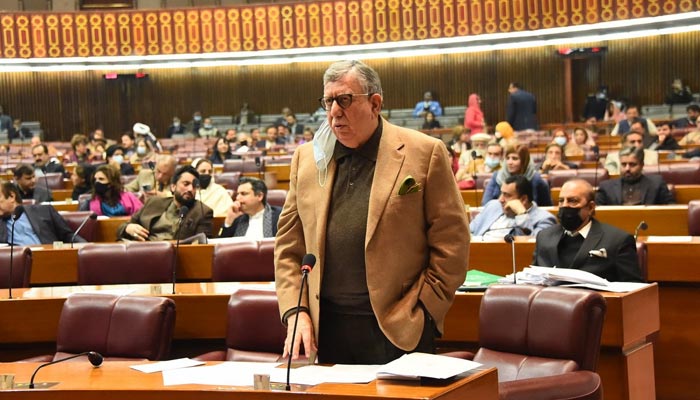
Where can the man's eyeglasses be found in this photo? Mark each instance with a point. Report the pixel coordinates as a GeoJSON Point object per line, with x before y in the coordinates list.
{"type": "Point", "coordinates": [343, 100]}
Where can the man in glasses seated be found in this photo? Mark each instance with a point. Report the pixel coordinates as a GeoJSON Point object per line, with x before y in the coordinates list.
{"type": "Point", "coordinates": [378, 206]}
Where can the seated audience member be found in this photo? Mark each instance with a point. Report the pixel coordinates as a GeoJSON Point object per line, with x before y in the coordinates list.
{"type": "Point", "coordinates": [517, 162]}
{"type": "Point", "coordinates": [25, 180]}
{"type": "Point", "coordinates": [570, 148]}
{"type": "Point", "coordinates": [665, 139]}
{"type": "Point", "coordinates": [554, 159]}
{"type": "Point", "coordinates": [17, 131]}
{"type": "Point", "coordinates": [38, 224]}
{"type": "Point", "coordinates": [614, 111]}
{"type": "Point", "coordinates": [505, 135]}
{"type": "Point", "coordinates": [307, 136]}
{"type": "Point", "coordinates": [211, 193]}
{"type": "Point", "coordinates": [36, 140]}
{"type": "Point", "coordinates": [294, 127]}
{"type": "Point", "coordinates": [460, 142]}
{"type": "Point", "coordinates": [270, 138]}
{"type": "Point", "coordinates": [175, 129]}
{"type": "Point", "coordinates": [97, 140]}
{"type": "Point", "coordinates": [513, 212]}
{"type": "Point", "coordinates": [251, 216]}
{"type": "Point", "coordinates": [45, 164]}
{"type": "Point", "coordinates": [631, 115]}
{"type": "Point", "coordinates": [690, 138]}
{"type": "Point", "coordinates": [128, 144]}
{"type": "Point", "coordinates": [679, 94]}
{"type": "Point", "coordinates": [241, 141]}
{"type": "Point", "coordinates": [82, 180]}
{"type": "Point", "coordinates": [633, 187]}
{"type": "Point", "coordinates": [583, 142]}
{"type": "Point", "coordinates": [208, 129]}
{"type": "Point", "coordinates": [691, 121]}
{"type": "Point", "coordinates": [99, 152]}
{"type": "Point", "coordinates": [144, 131]}
{"type": "Point", "coordinates": [115, 158]}
{"type": "Point", "coordinates": [580, 241]}
{"type": "Point", "coordinates": [81, 153]}
{"type": "Point", "coordinates": [108, 197]}
{"type": "Point", "coordinates": [221, 151]}
{"type": "Point", "coordinates": [429, 121]}
{"type": "Point", "coordinates": [231, 135]}
{"type": "Point", "coordinates": [428, 104]}
{"type": "Point", "coordinates": [255, 138]}
{"type": "Point", "coordinates": [155, 182]}
{"type": "Point", "coordinates": [158, 218]}
{"type": "Point", "coordinates": [479, 142]}
{"type": "Point", "coordinates": [647, 138]}
{"type": "Point", "coordinates": [634, 138]}
{"type": "Point", "coordinates": [195, 124]}
{"type": "Point", "coordinates": [488, 158]}
{"type": "Point", "coordinates": [144, 152]}
{"type": "Point", "coordinates": [282, 135]}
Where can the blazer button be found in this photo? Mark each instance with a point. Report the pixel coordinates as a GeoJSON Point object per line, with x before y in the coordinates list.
{"type": "Point", "coordinates": [317, 296]}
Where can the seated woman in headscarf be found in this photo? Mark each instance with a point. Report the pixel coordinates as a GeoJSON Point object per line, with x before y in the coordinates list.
{"type": "Point", "coordinates": [108, 196]}
{"type": "Point", "coordinates": [517, 162]}
{"type": "Point", "coordinates": [554, 159]}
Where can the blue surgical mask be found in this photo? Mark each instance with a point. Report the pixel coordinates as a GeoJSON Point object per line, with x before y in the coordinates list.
{"type": "Point", "coordinates": [560, 140]}
{"type": "Point", "coordinates": [118, 158]}
{"type": "Point", "coordinates": [197, 118]}
{"type": "Point", "coordinates": [141, 151]}
{"type": "Point", "coordinates": [492, 162]}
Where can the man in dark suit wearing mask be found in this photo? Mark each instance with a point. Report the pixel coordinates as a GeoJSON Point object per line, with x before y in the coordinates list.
{"type": "Point", "coordinates": [579, 241]}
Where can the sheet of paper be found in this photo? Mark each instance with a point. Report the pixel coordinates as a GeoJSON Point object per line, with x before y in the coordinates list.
{"type": "Point", "coordinates": [617, 287]}
{"type": "Point", "coordinates": [224, 374]}
{"type": "Point", "coordinates": [167, 365]}
{"type": "Point", "coordinates": [317, 374]}
{"type": "Point", "coordinates": [416, 365]}
{"type": "Point", "coordinates": [666, 239]}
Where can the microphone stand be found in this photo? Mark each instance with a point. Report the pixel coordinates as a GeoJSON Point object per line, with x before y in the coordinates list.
{"type": "Point", "coordinates": [304, 277]}
{"type": "Point", "coordinates": [596, 155]}
{"type": "Point", "coordinates": [46, 182]}
{"type": "Point", "coordinates": [510, 239]}
{"type": "Point", "coordinates": [15, 216]}
{"type": "Point", "coordinates": [94, 357]}
{"type": "Point", "coordinates": [642, 226]}
{"type": "Point", "coordinates": [183, 211]}
{"type": "Point", "coordinates": [80, 227]}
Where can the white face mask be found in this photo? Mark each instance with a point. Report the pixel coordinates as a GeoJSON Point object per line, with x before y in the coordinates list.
{"type": "Point", "coordinates": [118, 158]}
{"type": "Point", "coordinates": [498, 135]}
{"type": "Point", "coordinates": [324, 144]}
{"type": "Point", "coordinates": [560, 140]}
{"type": "Point", "coordinates": [492, 162]}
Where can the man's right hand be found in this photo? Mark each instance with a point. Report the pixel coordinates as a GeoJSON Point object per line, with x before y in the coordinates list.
{"type": "Point", "coordinates": [305, 334]}
{"type": "Point", "coordinates": [137, 232]}
{"type": "Point", "coordinates": [233, 213]}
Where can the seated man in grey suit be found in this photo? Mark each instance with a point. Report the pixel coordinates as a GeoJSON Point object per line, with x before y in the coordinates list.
{"type": "Point", "coordinates": [579, 241]}
{"type": "Point", "coordinates": [250, 215]}
{"type": "Point", "coordinates": [25, 179]}
{"type": "Point", "coordinates": [633, 187]}
{"type": "Point", "coordinates": [513, 212]}
{"type": "Point", "coordinates": [38, 224]}
{"type": "Point", "coordinates": [159, 218]}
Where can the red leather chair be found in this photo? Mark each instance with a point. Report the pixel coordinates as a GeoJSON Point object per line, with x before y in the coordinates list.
{"type": "Point", "coordinates": [694, 218]}
{"type": "Point", "coordinates": [276, 197]}
{"type": "Point", "coordinates": [540, 339]}
{"type": "Point", "coordinates": [54, 180]}
{"type": "Point", "coordinates": [254, 331]}
{"type": "Point", "coordinates": [243, 165]}
{"type": "Point", "coordinates": [243, 262]}
{"type": "Point", "coordinates": [118, 327]}
{"type": "Point", "coordinates": [228, 180]}
{"type": "Point", "coordinates": [75, 218]}
{"type": "Point", "coordinates": [21, 267]}
{"type": "Point", "coordinates": [642, 258]}
{"type": "Point", "coordinates": [132, 262]}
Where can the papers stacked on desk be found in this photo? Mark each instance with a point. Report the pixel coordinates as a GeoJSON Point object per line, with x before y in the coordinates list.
{"type": "Point", "coordinates": [569, 277]}
{"type": "Point", "coordinates": [422, 365]}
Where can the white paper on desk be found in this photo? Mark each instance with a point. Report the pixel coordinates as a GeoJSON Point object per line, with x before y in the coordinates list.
{"type": "Point", "coordinates": [224, 374]}
{"type": "Point", "coordinates": [664, 239]}
{"type": "Point", "coordinates": [417, 365]}
{"type": "Point", "coordinates": [317, 374]}
{"type": "Point", "coordinates": [617, 287]}
{"type": "Point", "coordinates": [115, 291]}
{"type": "Point", "coordinates": [167, 365]}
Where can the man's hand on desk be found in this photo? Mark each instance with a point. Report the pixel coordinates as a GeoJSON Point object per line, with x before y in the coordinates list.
{"type": "Point", "coordinates": [305, 334]}
{"type": "Point", "coordinates": [137, 232]}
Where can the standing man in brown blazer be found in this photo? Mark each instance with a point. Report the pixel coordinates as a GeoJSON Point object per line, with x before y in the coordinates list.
{"type": "Point", "coordinates": [378, 206]}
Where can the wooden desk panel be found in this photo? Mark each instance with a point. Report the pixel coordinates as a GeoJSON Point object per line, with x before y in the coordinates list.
{"type": "Point", "coordinates": [115, 380]}
{"type": "Point", "coordinates": [674, 261]}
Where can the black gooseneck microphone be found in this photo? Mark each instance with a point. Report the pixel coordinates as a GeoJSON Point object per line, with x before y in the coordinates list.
{"type": "Point", "coordinates": [641, 227]}
{"type": "Point", "coordinates": [596, 156]}
{"type": "Point", "coordinates": [80, 227]}
{"type": "Point", "coordinates": [15, 216]}
{"type": "Point", "coordinates": [476, 190]}
{"type": "Point", "coordinates": [307, 264]}
{"type": "Point", "coordinates": [183, 211]}
{"type": "Point", "coordinates": [259, 164]}
{"type": "Point", "coordinates": [511, 239]}
{"type": "Point", "coordinates": [46, 181]}
{"type": "Point", "coordinates": [198, 187]}
{"type": "Point", "coordinates": [152, 166]}
{"type": "Point", "coordinates": [94, 357]}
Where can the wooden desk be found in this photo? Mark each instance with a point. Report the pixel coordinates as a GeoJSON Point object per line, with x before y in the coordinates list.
{"type": "Point", "coordinates": [626, 364]}
{"type": "Point", "coordinates": [107, 228]}
{"type": "Point", "coordinates": [115, 380]}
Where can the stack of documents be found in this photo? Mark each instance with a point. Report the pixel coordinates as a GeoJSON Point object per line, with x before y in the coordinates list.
{"type": "Point", "coordinates": [423, 365]}
{"type": "Point", "coordinates": [569, 277]}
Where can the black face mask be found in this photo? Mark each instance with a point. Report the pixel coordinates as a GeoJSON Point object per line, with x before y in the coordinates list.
{"type": "Point", "coordinates": [570, 218]}
{"type": "Point", "coordinates": [204, 181]}
{"type": "Point", "coordinates": [101, 188]}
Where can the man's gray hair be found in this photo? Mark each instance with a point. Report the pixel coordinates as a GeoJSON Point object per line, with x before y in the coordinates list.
{"type": "Point", "coordinates": [369, 79]}
{"type": "Point", "coordinates": [634, 152]}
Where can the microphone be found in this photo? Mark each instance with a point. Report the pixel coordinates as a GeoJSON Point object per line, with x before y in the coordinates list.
{"type": "Point", "coordinates": [641, 227]}
{"type": "Point", "coordinates": [307, 264]}
{"type": "Point", "coordinates": [46, 181]}
{"type": "Point", "coordinates": [259, 165]}
{"type": "Point", "coordinates": [183, 211]}
{"type": "Point", "coordinates": [511, 239]}
{"type": "Point", "coordinates": [80, 227]}
{"type": "Point", "coordinates": [19, 210]}
{"type": "Point", "coordinates": [476, 190]}
{"type": "Point", "coordinates": [596, 155]}
{"type": "Point", "coordinates": [94, 357]}
{"type": "Point", "coordinates": [152, 166]}
{"type": "Point", "coordinates": [198, 187]}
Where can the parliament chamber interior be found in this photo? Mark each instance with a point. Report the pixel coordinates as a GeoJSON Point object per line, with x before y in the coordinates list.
{"type": "Point", "coordinates": [225, 69]}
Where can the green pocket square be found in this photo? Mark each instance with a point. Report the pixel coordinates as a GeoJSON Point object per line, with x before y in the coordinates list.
{"type": "Point", "coordinates": [409, 185]}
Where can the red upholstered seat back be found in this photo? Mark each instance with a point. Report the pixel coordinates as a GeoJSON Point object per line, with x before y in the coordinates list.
{"type": "Point", "coordinates": [123, 327]}
{"type": "Point", "coordinates": [75, 218]}
{"type": "Point", "coordinates": [21, 267]}
{"type": "Point", "coordinates": [132, 262]}
{"type": "Point", "coordinates": [254, 331]}
{"type": "Point", "coordinates": [247, 261]}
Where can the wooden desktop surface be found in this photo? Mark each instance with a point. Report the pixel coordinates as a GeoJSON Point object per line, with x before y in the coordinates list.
{"type": "Point", "coordinates": [115, 380]}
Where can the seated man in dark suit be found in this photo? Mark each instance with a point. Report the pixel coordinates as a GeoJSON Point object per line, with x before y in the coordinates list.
{"type": "Point", "coordinates": [43, 163]}
{"type": "Point", "coordinates": [159, 218]}
{"type": "Point", "coordinates": [250, 215]}
{"type": "Point", "coordinates": [633, 187]}
{"type": "Point", "coordinates": [38, 224]}
{"type": "Point", "coordinates": [25, 180]}
{"type": "Point", "coordinates": [579, 241]}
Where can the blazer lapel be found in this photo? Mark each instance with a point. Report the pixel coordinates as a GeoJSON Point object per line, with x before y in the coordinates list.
{"type": "Point", "coordinates": [322, 197]}
{"type": "Point", "coordinates": [389, 161]}
{"type": "Point", "coordinates": [592, 241]}
{"type": "Point", "coordinates": [552, 251]}
{"type": "Point", "coordinates": [617, 192]}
